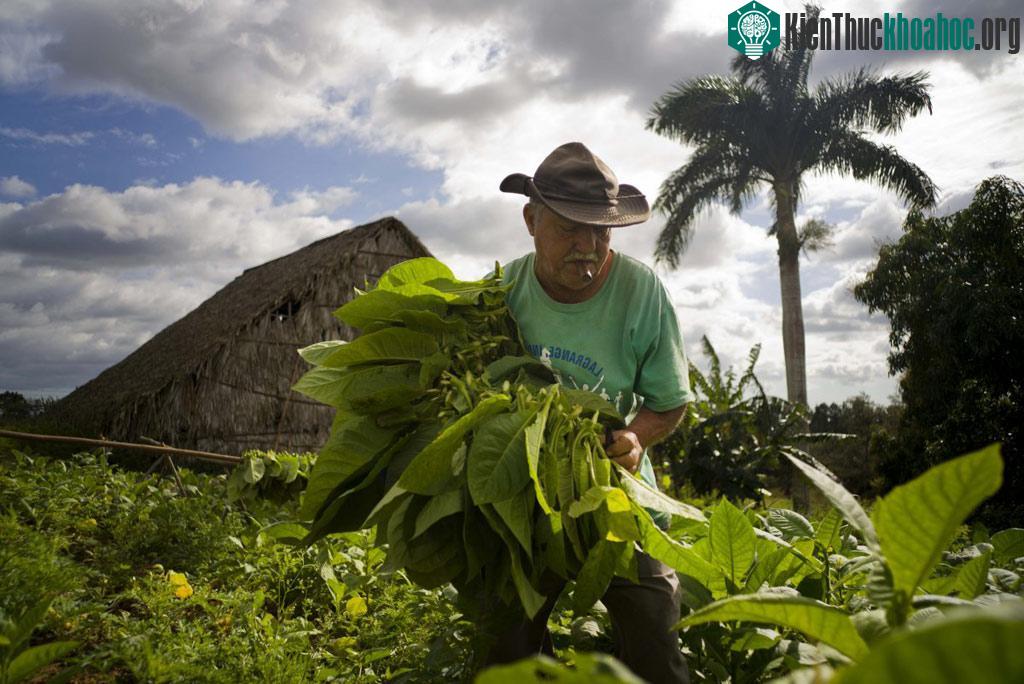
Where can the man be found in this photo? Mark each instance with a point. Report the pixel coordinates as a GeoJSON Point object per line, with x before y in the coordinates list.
{"type": "Point", "coordinates": [602, 322]}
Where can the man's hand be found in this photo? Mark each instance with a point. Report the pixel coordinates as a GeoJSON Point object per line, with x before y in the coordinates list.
{"type": "Point", "coordinates": [625, 449]}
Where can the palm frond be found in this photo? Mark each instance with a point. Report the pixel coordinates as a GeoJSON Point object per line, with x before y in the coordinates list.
{"type": "Point", "coordinates": [716, 364]}
{"type": "Point", "coordinates": [682, 203]}
{"type": "Point", "coordinates": [712, 107]}
{"type": "Point", "coordinates": [815, 235]}
{"type": "Point", "coordinates": [782, 73]}
{"type": "Point", "coordinates": [850, 152]}
{"type": "Point", "coordinates": [865, 100]}
{"type": "Point", "coordinates": [748, 373]}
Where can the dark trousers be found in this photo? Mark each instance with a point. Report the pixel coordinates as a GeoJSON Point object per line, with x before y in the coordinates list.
{"type": "Point", "coordinates": [642, 618]}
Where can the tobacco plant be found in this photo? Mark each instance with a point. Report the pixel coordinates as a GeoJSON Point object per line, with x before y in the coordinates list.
{"type": "Point", "coordinates": [875, 602]}
{"type": "Point", "coordinates": [476, 467]}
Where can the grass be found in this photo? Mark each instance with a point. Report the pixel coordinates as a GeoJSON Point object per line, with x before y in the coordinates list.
{"type": "Point", "coordinates": [103, 542]}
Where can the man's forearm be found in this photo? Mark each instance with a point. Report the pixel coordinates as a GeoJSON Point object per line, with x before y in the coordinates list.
{"type": "Point", "coordinates": [653, 426]}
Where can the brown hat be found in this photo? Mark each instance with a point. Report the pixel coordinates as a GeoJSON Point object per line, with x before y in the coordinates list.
{"type": "Point", "coordinates": [575, 184]}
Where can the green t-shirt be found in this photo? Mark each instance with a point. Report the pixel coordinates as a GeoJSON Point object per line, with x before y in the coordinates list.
{"type": "Point", "coordinates": [622, 344]}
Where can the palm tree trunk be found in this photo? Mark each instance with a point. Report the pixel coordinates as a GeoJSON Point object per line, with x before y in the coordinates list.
{"type": "Point", "coordinates": [792, 324]}
{"type": "Point", "coordinates": [792, 307]}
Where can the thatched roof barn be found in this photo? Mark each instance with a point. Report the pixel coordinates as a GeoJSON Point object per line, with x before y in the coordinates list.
{"type": "Point", "coordinates": [220, 378]}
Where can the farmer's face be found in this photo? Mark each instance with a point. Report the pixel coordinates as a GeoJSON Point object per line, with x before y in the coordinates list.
{"type": "Point", "coordinates": [566, 253]}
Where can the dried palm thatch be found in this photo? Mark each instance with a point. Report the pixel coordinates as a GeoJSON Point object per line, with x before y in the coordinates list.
{"type": "Point", "coordinates": [220, 378]}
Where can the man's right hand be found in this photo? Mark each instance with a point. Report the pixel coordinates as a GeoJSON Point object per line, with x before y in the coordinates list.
{"type": "Point", "coordinates": [625, 449]}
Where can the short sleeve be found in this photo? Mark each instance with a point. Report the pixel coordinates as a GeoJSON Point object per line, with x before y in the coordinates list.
{"type": "Point", "coordinates": [663, 377]}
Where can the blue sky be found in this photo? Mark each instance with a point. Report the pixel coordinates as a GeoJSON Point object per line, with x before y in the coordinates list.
{"type": "Point", "coordinates": [117, 143]}
{"type": "Point", "coordinates": [151, 151]}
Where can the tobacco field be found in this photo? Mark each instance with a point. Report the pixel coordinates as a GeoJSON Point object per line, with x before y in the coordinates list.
{"type": "Point", "coordinates": [457, 473]}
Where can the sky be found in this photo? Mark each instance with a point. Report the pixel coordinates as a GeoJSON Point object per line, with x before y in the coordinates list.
{"type": "Point", "coordinates": [152, 151]}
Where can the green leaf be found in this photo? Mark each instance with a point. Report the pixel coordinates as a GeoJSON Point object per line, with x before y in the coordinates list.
{"type": "Point", "coordinates": [438, 554]}
{"type": "Point", "coordinates": [791, 524]}
{"type": "Point", "coordinates": [829, 528]}
{"type": "Point", "coordinates": [591, 403]}
{"type": "Point", "coordinates": [507, 366]}
{"type": "Point", "coordinates": [32, 659]}
{"type": "Point", "coordinates": [349, 511]}
{"type": "Point", "coordinates": [315, 354]}
{"type": "Point", "coordinates": [1007, 545]}
{"type": "Point", "coordinates": [354, 442]}
{"type": "Point", "coordinates": [421, 270]}
{"type": "Point", "coordinates": [801, 653]}
{"type": "Point", "coordinates": [918, 520]}
{"type": "Point", "coordinates": [614, 512]}
{"type": "Point", "coordinates": [595, 575]}
{"type": "Point", "coordinates": [284, 531]}
{"type": "Point", "coordinates": [517, 512]}
{"type": "Point", "coordinates": [447, 328]}
{"type": "Point", "coordinates": [439, 507]}
{"type": "Point", "coordinates": [815, 619]}
{"type": "Point", "coordinates": [592, 499]}
{"type": "Point", "coordinates": [659, 545]}
{"type": "Point", "coordinates": [754, 639]}
{"type": "Point", "coordinates": [768, 561]}
{"type": "Point", "coordinates": [843, 500]}
{"type": "Point", "coordinates": [531, 599]}
{"type": "Point", "coordinates": [590, 668]}
{"type": "Point", "coordinates": [362, 389]}
{"type": "Point", "coordinates": [651, 498]}
{"type": "Point", "coordinates": [27, 623]}
{"type": "Point", "coordinates": [430, 472]}
{"type": "Point", "coordinates": [253, 469]}
{"type": "Point", "coordinates": [801, 549]}
{"type": "Point", "coordinates": [423, 290]}
{"type": "Point", "coordinates": [496, 467]}
{"type": "Point", "coordinates": [534, 441]}
{"type": "Point", "coordinates": [973, 576]}
{"type": "Point", "coordinates": [974, 647]}
{"type": "Point", "coordinates": [390, 345]}
{"type": "Point", "coordinates": [731, 537]}
{"type": "Point", "coordinates": [389, 307]}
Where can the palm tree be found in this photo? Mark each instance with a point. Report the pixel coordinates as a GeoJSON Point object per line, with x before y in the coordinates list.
{"type": "Point", "coordinates": [763, 125]}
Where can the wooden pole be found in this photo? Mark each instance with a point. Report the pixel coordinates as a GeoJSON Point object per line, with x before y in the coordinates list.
{"type": "Point", "coordinates": [165, 450]}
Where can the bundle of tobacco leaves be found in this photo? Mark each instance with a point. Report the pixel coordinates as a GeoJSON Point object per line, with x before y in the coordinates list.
{"type": "Point", "coordinates": [474, 465]}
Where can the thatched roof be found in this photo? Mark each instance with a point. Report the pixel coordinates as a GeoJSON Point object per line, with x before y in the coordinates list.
{"type": "Point", "coordinates": [178, 350]}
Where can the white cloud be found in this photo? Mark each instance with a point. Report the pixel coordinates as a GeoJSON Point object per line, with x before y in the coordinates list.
{"type": "Point", "coordinates": [141, 139]}
{"type": "Point", "coordinates": [478, 90]}
{"type": "Point", "coordinates": [12, 186]}
{"type": "Point", "coordinates": [27, 135]}
{"type": "Point", "coordinates": [87, 275]}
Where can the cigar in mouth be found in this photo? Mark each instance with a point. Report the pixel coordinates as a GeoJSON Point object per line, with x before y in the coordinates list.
{"type": "Point", "coordinates": [585, 269]}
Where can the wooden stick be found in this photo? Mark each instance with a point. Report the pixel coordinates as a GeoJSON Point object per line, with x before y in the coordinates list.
{"type": "Point", "coordinates": [204, 455]}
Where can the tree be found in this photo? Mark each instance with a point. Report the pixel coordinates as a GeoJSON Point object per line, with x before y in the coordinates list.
{"type": "Point", "coordinates": [855, 460]}
{"type": "Point", "coordinates": [734, 435]}
{"type": "Point", "coordinates": [14, 405]}
{"type": "Point", "coordinates": [953, 290]}
{"type": "Point", "coordinates": [764, 126]}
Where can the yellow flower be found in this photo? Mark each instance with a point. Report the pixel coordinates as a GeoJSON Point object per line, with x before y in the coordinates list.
{"type": "Point", "coordinates": [182, 589]}
{"type": "Point", "coordinates": [356, 606]}
{"type": "Point", "coordinates": [341, 643]}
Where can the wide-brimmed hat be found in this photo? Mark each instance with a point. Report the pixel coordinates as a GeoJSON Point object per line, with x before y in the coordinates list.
{"type": "Point", "coordinates": [574, 183]}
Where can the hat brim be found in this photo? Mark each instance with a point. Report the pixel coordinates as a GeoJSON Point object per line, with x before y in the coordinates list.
{"type": "Point", "coordinates": [630, 208]}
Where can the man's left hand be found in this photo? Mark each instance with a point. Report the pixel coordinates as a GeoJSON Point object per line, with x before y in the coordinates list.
{"type": "Point", "coordinates": [625, 449]}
